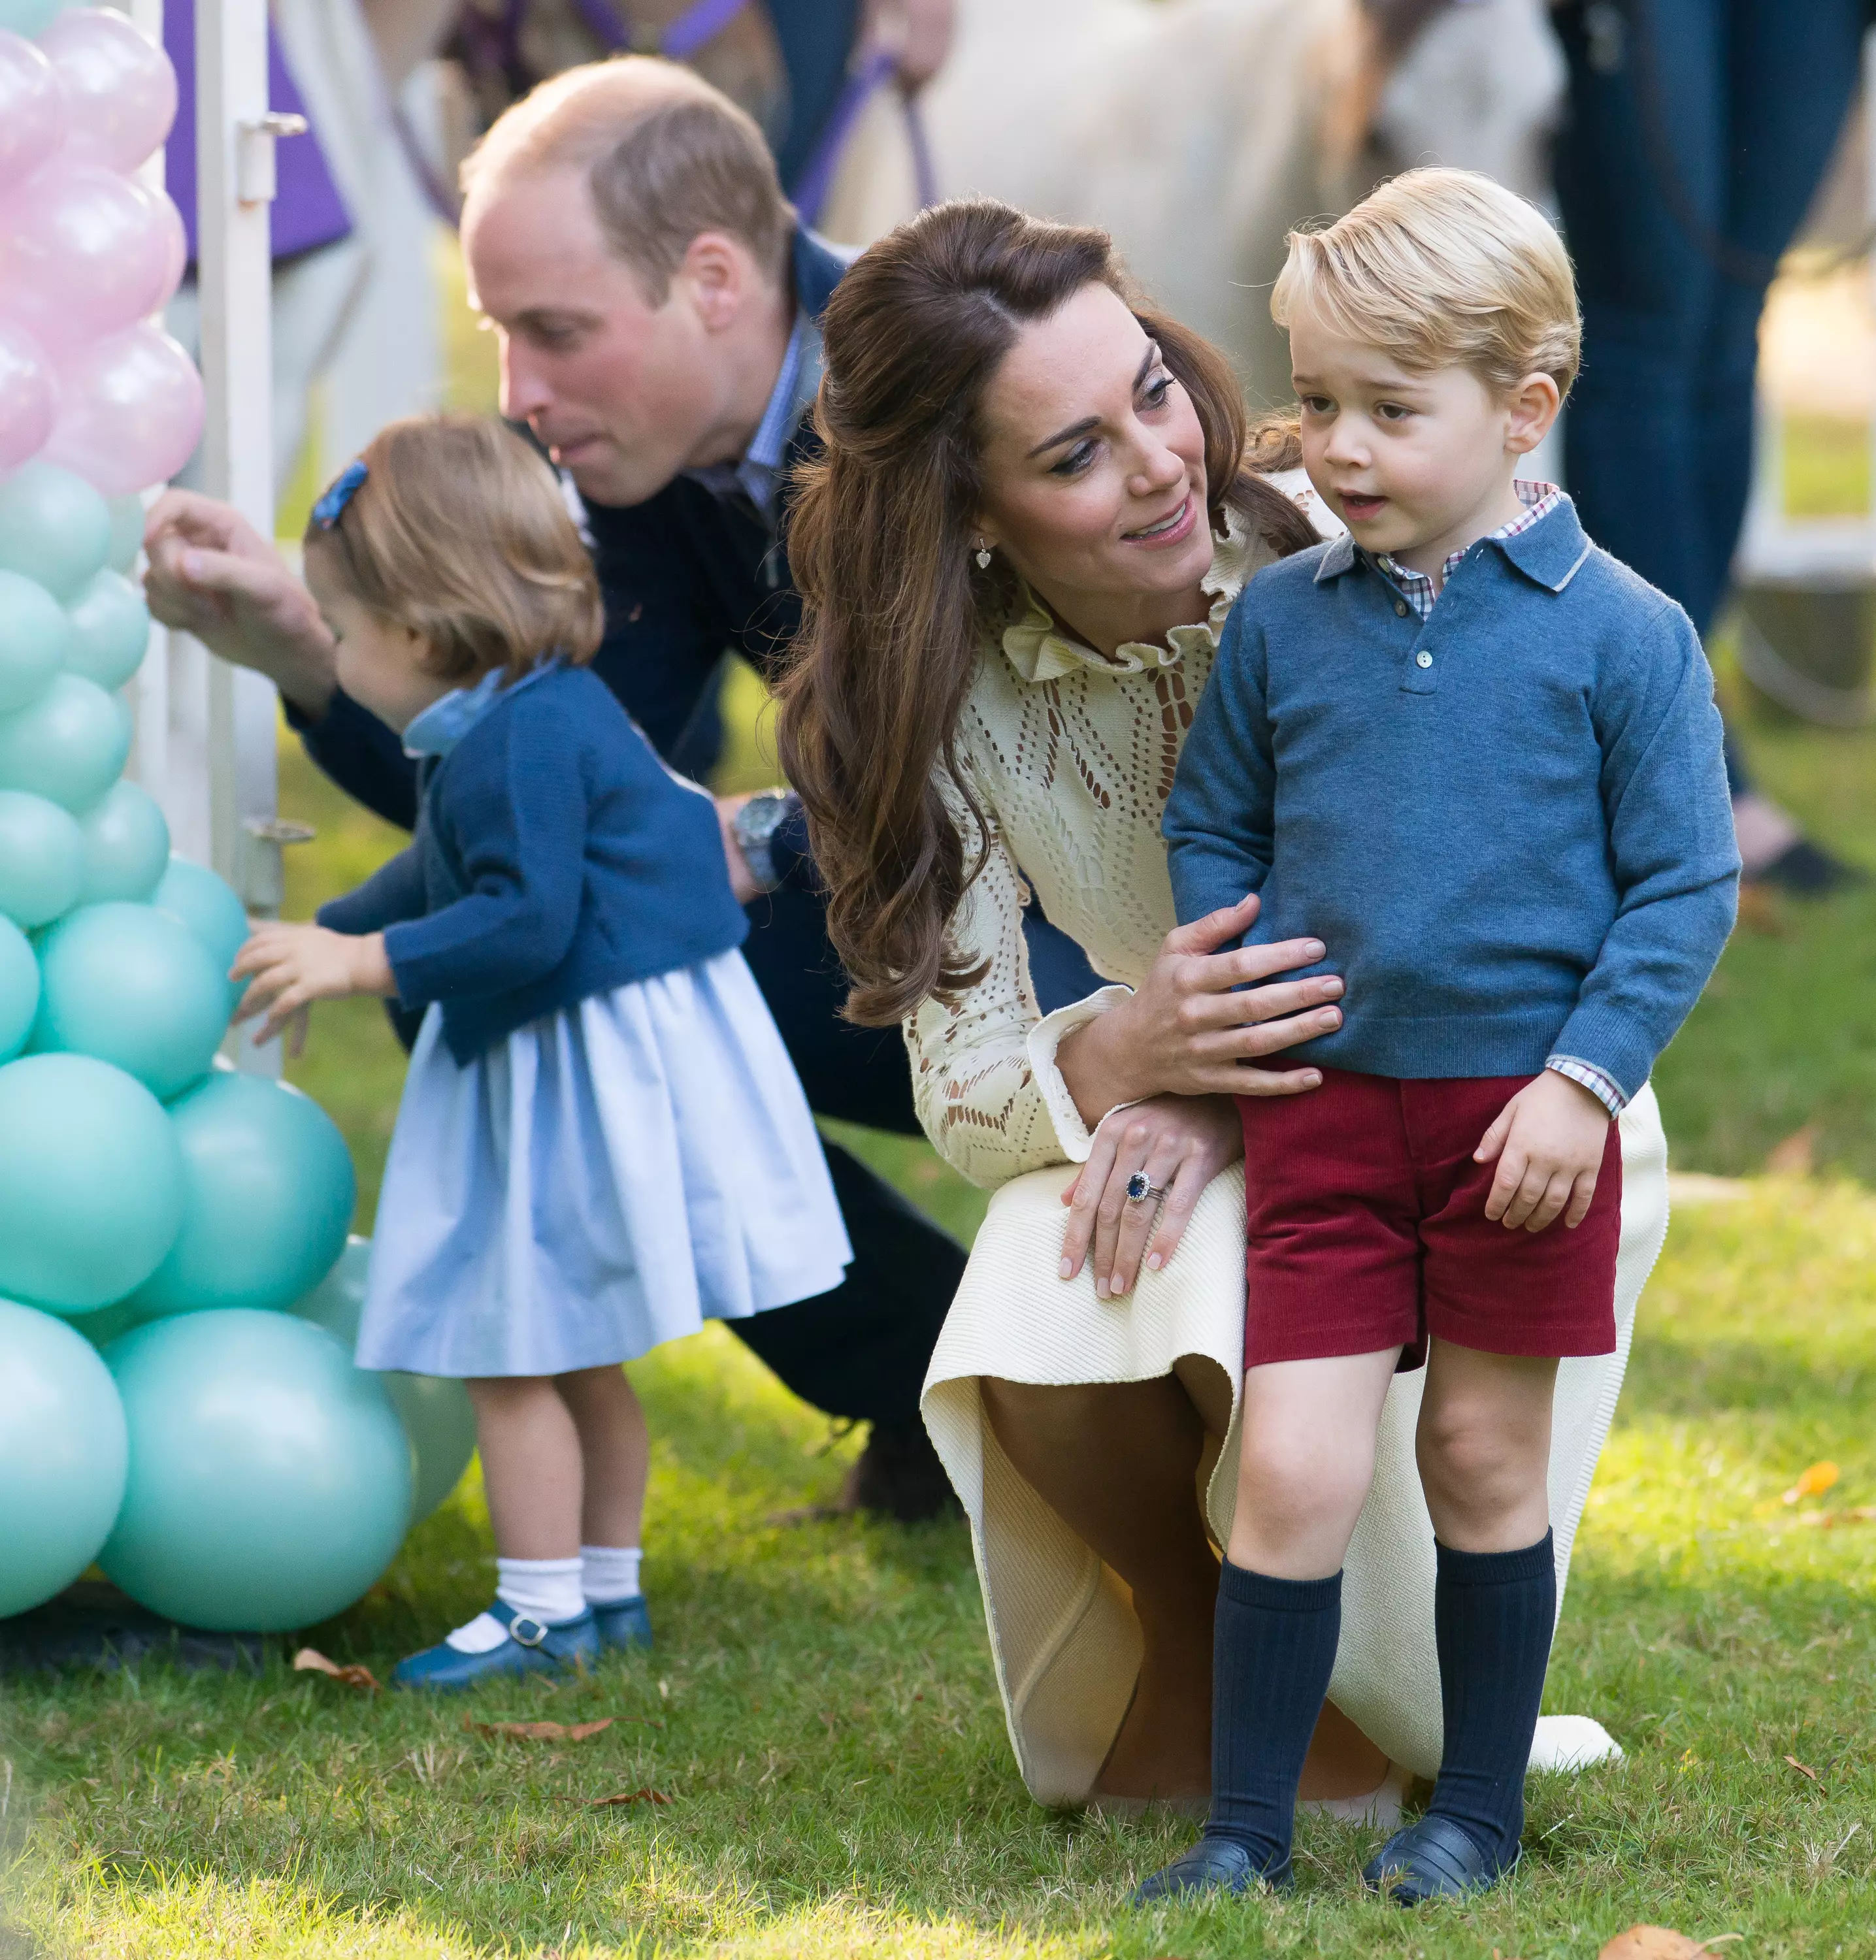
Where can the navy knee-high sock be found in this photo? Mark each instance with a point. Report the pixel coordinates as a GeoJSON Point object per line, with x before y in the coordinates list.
{"type": "Point", "coordinates": [1493, 1613]}
{"type": "Point", "coordinates": [1273, 1652]}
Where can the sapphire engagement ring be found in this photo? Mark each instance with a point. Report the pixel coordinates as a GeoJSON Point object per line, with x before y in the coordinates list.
{"type": "Point", "coordinates": [1140, 1187]}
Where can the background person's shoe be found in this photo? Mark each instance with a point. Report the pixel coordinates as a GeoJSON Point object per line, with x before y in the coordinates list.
{"type": "Point", "coordinates": [1807, 870]}
{"type": "Point", "coordinates": [622, 1623]}
{"type": "Point", "coordinates": [1212, 1865]}
{"type": "Point", "coordinates": [532, 1647]}
{"type": "Point", "coordinates": [898, 1476]}
{"type": "Point", "coordinates": [1432, 1858]}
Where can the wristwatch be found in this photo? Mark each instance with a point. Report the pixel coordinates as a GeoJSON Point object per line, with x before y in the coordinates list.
{"type": "Point", "coordinates": [754, 826]}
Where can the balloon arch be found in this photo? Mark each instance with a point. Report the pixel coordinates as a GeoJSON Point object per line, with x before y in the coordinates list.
{"type": "Point", "coordinates": [177, 1293]}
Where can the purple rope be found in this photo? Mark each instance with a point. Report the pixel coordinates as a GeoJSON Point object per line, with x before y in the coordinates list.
{"type": "Point", "coordinates": [861, 84]}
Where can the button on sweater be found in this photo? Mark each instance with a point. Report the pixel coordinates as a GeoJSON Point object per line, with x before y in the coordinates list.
{"type": "Point", "coordinates": [1508, 824]}
{"type": "Point", "coordinates": [555, 858]}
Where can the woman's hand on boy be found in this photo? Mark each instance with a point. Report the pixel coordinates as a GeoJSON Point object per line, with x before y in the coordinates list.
{"type": "Point", "coordinates": [1549, 1141]}
{"type": "Point", "coordinates": [1181, 1143]}
{"type": "Point", "coordinates": [1199, 1017]}
{"type": "Point", "coordinates": [289, 967]}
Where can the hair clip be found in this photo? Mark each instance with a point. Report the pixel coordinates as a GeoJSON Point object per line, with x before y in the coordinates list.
{"type": "Point", "coordinates": [345, 486]}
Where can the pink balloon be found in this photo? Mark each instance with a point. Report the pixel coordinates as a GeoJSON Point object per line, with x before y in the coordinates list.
{"type": "Point", "coordinates": [120, 84]}
{"type": "Point", "coordinates": [84, 252]}
{"type": "Point", "coordinates": [32, 108]}
{"type": "Point", "coordinates": [29, 398]}
{"type": "Point", "coordinates": [130, 411]}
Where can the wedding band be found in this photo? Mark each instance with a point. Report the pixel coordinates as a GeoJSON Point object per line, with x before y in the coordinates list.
{"type": "Point", "coordinates": [1140, 1187]}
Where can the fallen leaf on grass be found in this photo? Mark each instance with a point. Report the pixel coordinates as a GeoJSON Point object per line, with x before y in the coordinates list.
{"type": "Point", "coordinates": [1805, 1769]}
{"type": "Point", "coordinates": [310, 1660]}
{"type": "Point", "coordinates": [1759, 911]}
{"type": "Point", "coordinates": [541, 1731]}
{"type": "Point", "coordinates": [627, 1797]}
{"type": "Point", "coordinates": [1812, 1482]}
{"type": "Point", "coordinates": [1857, 1514]}
{"type": "Point", "coordinates": [1651, 1943]}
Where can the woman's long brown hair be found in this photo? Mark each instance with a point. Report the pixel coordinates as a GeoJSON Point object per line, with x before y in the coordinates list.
{"type": "Point", "coordinates": [894, 611]}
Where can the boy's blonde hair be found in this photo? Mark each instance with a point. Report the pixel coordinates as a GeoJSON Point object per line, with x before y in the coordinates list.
{"type": "Point", "coordinates": [458, 532]}
{"type": "Point", "coordinates": [1443, 268]}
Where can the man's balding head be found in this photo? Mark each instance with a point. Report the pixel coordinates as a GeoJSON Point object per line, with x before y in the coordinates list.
{"type": "Point", "coordinates": [665, 158]}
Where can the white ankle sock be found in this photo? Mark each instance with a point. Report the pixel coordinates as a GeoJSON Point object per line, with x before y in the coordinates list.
{"type": "Point", "coordinates": [547, 1589]}
{"type": "Point", "coordinates": [610, 1573]}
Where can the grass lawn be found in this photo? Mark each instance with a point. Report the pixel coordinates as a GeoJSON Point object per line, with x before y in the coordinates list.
{"type": "Point", "coordinates": [821, 1713]}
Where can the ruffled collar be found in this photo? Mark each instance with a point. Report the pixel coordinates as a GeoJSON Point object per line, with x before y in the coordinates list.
{"type": "Point", "coordinates": [1041, 651]}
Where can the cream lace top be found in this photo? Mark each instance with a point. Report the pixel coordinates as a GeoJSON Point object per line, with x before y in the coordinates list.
{"type": "Point", "coordinates": [1071, 757]}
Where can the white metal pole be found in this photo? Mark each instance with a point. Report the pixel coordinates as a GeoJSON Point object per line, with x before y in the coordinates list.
{"type": "Point", "coordinates": [235, 135]}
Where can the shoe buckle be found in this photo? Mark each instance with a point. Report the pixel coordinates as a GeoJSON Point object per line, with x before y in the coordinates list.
{"type": "Point", "coordinates": [532, 1638]}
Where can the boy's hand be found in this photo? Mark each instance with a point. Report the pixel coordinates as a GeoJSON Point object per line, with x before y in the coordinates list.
{"type": "Point", "coordinates": [1549, 1141]}
{"type": "Point", "coordinates": [291, 966]}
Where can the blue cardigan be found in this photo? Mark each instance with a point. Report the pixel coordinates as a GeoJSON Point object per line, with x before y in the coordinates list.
{"type": "Point", "coordinates": [1508, 825]}
{"type": "Point", "coordinates": [555, 858]}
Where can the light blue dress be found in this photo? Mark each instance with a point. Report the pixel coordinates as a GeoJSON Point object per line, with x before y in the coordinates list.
{"type": "Point", "coordinates": [608, 1177]}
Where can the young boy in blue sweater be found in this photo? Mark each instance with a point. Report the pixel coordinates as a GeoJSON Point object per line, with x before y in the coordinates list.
{"type": "Point", "coordinates": [1479, 760]}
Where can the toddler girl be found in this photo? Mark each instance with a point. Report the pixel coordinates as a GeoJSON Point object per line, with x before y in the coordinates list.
{"type": "Point", "coordinates": [601, 1142]}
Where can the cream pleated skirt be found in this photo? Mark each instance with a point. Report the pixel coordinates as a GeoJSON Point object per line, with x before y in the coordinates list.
{"type": "Point", "coordinates": [1066, 1644]}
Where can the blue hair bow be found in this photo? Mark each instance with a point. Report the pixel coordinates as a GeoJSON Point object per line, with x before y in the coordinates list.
{"type": "Point", "coordinates": [345, 486]}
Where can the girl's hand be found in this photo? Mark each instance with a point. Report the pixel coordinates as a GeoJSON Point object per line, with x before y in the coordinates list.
{"type": "Point", "coordinates": [1181, 1143]}
{"type": "Point", "coordinates": [1186, 1032]}
{"type": "Point", "coordinates": [1549, 1141]}
{"type": "Point", "coordinates": [291, 966]}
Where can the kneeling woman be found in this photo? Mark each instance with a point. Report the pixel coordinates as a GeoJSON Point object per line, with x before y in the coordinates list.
{"type": "Point", "coordinates": [1036, 505]}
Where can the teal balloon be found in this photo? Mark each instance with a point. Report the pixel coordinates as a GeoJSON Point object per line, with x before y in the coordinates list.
{"type": "Point", "coordinates": [109, 629]}
{"type": "Point", "coordinates": [269, 1481]}
{"type": "Point", "coordinates": [29, 16]}
{"type": "Point", "coordinates": [91, 1182]}
{"type": "Point", "coordinates": [211, 909]}
{"type": "Point", "coordinates": [126, 516]}
{"type": "Point", "coordinates": [41, 859]}
{"type": "Point", "coordinates": [69, 746]}
{"type": "Point", "coordinates": [270, 1196]}
{"type": "Point", "coordinates": [131, 986]}
{"type": "Point", "coordinates": [63, 1456]}
{"type": "Point", "coordinates": [54, 527]}
{"type": "Point", "coordinates": [35, 640]}
{"type": "Point", "coordinates": [19, 989]}
{"type": "Point", "coordinates": [437, 1414]}
{"type": "Point", "coordinates": [126, 845]}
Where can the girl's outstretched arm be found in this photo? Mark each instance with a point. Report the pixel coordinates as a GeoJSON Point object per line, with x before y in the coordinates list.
{"type": "Point", "coordinates": [289, 967]}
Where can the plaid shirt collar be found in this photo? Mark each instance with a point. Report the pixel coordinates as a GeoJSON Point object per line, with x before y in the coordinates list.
{"type": "Point", "coordinates": [758, 475]}
{"type": "Point", "coordinates": [1539, 501]}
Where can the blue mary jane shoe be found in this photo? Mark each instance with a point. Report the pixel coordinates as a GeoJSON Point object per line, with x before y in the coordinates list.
{"type": "Point", "coordinates": [1431, 1858]}
{"type": "Point", "coordinates": [622, 1623]}
{"type": "Point", "coordinates": [1212, 1865]}
{"type": "Point", "coordinates": [532, 1647]}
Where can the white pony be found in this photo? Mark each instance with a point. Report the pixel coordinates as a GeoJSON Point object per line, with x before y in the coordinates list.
{"type": "Point", "coordinates": [1199, 131]}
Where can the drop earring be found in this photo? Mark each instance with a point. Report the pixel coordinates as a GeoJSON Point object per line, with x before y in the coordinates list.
{"type": "Point", "coordinates": [983, 556]}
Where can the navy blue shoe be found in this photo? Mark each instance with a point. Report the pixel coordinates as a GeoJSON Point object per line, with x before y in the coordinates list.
{"type": "Point", "coordinates": [622, 1623]}
{"type": "Point", "coordinates": [533, 1646]}
{"type": "Point", "coordinates": [1212, 1865]}
{"type": "Point", "coordinates": [1432, 1858]}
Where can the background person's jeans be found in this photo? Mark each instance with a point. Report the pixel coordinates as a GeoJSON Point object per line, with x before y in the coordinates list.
{"type": "Point", "coordinates": [1697, 131]}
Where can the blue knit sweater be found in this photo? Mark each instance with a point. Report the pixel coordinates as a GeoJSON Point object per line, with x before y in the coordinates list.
{"type": "Point", "coordinates": [555, 858]}
{"type": "Point", "coordinates": [1508, 825]}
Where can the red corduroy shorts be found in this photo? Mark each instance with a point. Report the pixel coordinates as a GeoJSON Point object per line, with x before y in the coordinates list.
{"type": "Point", "coordinates": [1367, 1230]}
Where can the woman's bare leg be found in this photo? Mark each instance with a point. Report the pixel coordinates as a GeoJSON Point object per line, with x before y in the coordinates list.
{"type": "Point", "coordinates": [1117, 1462]}
{"type": "Point", "coordinates": [615, 1452]}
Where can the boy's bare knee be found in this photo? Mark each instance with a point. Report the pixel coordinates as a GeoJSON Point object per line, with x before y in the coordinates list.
{"type": "Point", "coordinates": [1294, 1490]}
{"type": "Point", "coordinates": [1472, 1462]}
